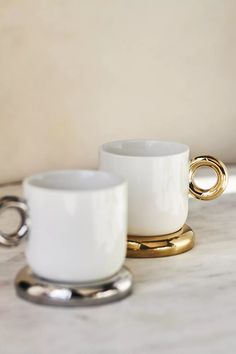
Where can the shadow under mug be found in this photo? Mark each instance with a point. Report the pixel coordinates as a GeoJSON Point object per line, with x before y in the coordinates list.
{"type": "Point", "coordinates": [77, 223]}
{"type": "Point", "coordinates": [160, 179]}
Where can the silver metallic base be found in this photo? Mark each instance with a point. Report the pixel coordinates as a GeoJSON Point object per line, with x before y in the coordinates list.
{"type": "Point", "coordinates": [41, 291]}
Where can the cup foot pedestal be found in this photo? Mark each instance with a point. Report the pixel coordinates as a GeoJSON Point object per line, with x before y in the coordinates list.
{"type": "Point", "coordinates": [160, 246]}
{"type": "Point", "coordinates": [32, 288]}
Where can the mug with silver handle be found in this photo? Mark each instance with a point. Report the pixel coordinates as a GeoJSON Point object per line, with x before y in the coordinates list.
{"type": "Point", "coordinates": [77, 226]}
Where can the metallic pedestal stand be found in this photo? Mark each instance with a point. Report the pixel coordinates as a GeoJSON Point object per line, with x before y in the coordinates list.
{"type": "Point", "coordinates": [160, 246]}
{"type": "Point", "coordinates": [41, 291]}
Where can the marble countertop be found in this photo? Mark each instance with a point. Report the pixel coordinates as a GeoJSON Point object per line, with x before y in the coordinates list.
{"type": "Point", "coordinates": [181, 304]}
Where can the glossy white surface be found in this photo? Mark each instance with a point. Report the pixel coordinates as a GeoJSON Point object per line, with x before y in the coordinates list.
{"type": "Point", "coordinates": [157, 174]}
{"type": "Point", "coordinates": [180, 305]}
{"type": "Point", "coordinates": [78, 225]}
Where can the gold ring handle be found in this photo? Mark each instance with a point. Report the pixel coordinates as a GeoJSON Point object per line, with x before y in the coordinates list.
{"type": "Point", "coordinates": [222, 177]}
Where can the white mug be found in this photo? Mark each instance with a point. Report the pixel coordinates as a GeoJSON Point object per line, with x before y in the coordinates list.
{"type": "Point", "coordinates": [159, 181]}
{"type": "Point", "coordinates": [77, 224]}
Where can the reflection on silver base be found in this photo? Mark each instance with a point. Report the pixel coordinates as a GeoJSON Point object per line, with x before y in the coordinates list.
{"type": "Point", "coordinates": [41, 291]}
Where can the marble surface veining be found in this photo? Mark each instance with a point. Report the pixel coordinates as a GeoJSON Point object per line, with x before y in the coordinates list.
{"type": "Point", "coordinates": [180, 305]}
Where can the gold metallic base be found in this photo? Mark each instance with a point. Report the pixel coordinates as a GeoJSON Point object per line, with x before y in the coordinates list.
{"type": "Point", "coordinates": [160, 246]}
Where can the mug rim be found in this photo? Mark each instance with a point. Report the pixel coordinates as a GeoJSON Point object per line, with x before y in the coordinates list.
{"type": "Point", "coordinates": [109, 146]}
{"type": "Point", "coordinates": [99, 181]}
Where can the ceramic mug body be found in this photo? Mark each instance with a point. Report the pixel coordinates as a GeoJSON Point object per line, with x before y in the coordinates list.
{"type": "Point", "coordinates": [158, 183]}
{"type": "Point", "coordinates": [78, 225]}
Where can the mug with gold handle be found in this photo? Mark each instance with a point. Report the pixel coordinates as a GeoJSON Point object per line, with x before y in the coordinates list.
{"type": "Point", "coordinates": [160, 179]}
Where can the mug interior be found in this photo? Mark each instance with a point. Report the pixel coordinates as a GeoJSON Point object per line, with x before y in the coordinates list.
{"type": "Point", "coordinates": [74, 180]}
{"type": "Point", "coordinates": [145, 148]}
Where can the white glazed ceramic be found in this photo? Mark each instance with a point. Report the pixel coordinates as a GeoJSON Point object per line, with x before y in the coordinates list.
{"type": "Point", "coordinates": [157, 173]}
{"type": "Point", "coordinates": [78, 224]}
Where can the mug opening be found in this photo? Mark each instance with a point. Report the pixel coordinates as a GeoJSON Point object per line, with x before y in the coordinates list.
{"type": "Point", "coordinates": [145, 148]}
{"type": "Point", "coordinates": [74, 180]}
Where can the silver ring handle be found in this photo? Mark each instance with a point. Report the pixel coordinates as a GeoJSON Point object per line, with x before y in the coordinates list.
{"type": "Point", "coordinates": [14, 238]}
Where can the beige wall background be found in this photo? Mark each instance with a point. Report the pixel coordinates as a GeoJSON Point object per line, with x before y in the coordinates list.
{"type": "Point", "coordinates": [74, 74]}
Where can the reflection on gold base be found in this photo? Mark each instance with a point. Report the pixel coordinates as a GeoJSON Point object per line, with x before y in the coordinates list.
{"type": "Point", "coordinates": [160, 246]}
